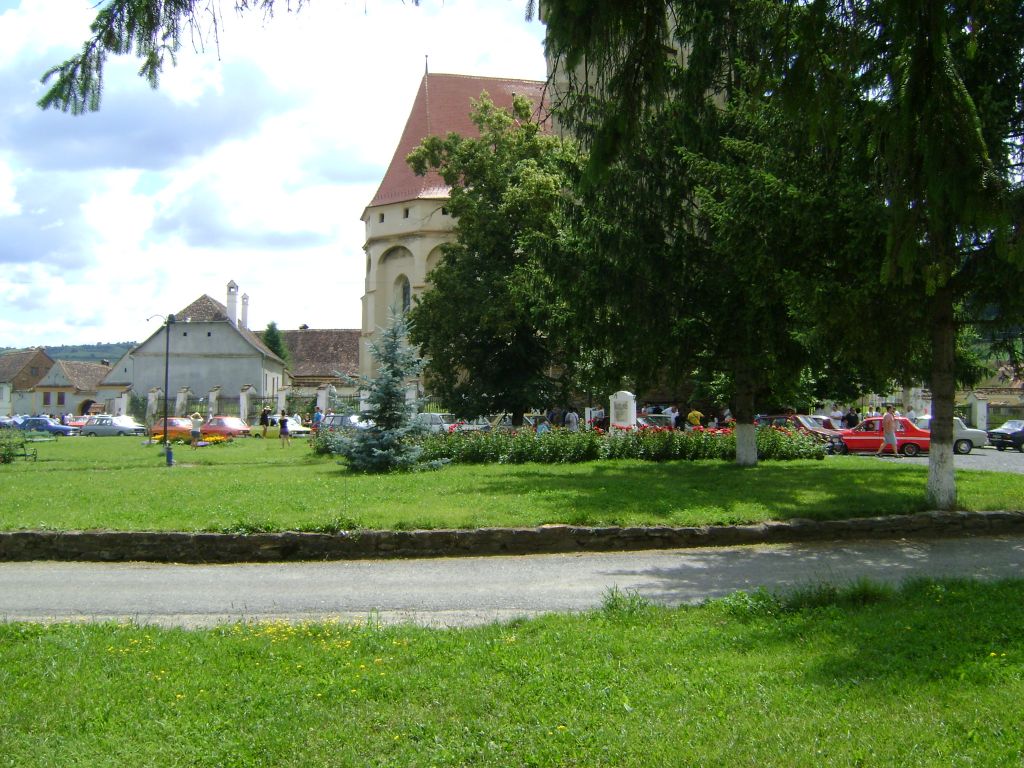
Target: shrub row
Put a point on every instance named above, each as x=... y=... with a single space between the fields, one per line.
x=562 y=447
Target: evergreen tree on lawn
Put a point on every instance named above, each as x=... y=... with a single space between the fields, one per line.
x=383 y=445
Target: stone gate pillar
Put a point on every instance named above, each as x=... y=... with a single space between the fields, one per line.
x=181 y=401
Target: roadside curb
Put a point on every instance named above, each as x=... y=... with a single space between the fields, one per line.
x=290 y=546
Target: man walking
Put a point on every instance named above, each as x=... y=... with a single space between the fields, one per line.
x=888 y=433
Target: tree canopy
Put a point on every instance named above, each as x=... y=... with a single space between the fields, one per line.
x=486 y=325
x=928 y=92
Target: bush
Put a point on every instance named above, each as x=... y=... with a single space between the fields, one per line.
x=560 y=446
x=10 y=442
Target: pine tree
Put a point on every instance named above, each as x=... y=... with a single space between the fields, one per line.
x=275 y=341
x=383 y=445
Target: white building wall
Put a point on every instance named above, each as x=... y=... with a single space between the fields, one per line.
x=402 y=241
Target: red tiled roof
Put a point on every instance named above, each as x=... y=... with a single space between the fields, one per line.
x=441 y=107
x=84 y=377
x=321 y=354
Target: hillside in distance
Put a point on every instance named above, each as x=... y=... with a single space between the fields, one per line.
x=90 y=353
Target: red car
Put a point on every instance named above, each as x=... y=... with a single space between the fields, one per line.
x=225 y=426
x=867 y=436
x=177 y=429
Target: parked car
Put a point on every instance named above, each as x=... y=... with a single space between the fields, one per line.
x=107 y=425
x=808 y=425
x=965 y=438
x=334 y=422
x=6 y=422
x=826 y=422
x=434 y=422
x=1010 y=435
x=867 y=436
x=78 y=421
x=46 y=424
x=224 y=426
x=177 y=428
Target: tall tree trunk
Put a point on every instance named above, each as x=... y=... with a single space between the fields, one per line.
x=743 y=411
x=941 y=492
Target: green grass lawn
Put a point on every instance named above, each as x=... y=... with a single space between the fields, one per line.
x=119 y=483
x=931 y=675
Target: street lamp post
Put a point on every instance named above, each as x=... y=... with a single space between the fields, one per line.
x=168 y=322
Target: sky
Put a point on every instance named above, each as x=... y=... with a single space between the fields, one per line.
x=252 y=162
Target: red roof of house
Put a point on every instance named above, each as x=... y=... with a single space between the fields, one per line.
x=441 y=107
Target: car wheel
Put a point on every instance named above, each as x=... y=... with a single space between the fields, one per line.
x=911 y=450
x=1000 y=447
x=962 y=447
x=120 y=434
x=1020 y=447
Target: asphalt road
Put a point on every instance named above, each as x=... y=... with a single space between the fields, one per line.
x=466 y=591
x=980 y=458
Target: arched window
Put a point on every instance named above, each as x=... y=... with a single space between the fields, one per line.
x=403 y=294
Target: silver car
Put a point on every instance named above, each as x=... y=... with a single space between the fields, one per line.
x=105 y=425
x=965 y=439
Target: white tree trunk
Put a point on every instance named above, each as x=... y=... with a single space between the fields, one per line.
x=941 y=476
x=746 y=445
x=941 y=491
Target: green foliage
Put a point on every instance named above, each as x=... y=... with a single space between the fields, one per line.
x=500 y=352
x=258 y=482
x=11 y=443
x=925 y=678
x=384 y=445
x=275 y=341
x=560 y=446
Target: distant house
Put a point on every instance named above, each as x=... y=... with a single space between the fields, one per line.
x=72 y=387
x=322 y=357
x=20 y=371
x=210 y=348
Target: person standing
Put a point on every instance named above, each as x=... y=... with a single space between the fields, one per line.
x=318 y=416
x=285 y=435
x=197 y=426
x=693 y=418
x=836 y=417
x=572 y=420
x=888 y=433
x=265 y=420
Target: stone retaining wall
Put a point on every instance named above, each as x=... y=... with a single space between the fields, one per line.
x=164 y=547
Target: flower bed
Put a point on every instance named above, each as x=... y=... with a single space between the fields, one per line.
x=559 y=446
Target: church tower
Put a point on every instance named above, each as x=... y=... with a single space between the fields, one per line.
x=407 y=221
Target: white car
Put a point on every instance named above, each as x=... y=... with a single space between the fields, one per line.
x=965 y=439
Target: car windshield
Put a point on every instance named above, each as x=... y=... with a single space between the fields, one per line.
x=807 y=422
x=1015 y=424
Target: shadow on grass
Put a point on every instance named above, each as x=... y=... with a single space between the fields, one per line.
x=699 y=493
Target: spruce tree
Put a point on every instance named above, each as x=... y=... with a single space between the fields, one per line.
x=275 y=341
x=383 y=445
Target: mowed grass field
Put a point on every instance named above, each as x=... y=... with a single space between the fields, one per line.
x=256 y=485
x=931 y=675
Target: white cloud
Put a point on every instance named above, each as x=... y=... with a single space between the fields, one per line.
x=9 y=205
x=252 y=163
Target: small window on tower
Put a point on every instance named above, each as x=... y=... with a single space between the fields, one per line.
x=405 y=213
x=444 y=211
x=184 y=333
x=209 y=334
x=380 y=218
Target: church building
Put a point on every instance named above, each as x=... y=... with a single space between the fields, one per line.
x=407 y=221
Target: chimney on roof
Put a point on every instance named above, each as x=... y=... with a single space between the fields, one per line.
x=232 y=302
x=245 y=310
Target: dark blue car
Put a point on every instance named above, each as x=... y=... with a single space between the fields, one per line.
x=46 y=424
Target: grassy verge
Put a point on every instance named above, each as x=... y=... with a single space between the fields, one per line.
x=248 y=485
x=930 y=675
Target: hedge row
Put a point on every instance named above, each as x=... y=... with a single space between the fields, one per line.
x=562 y=447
